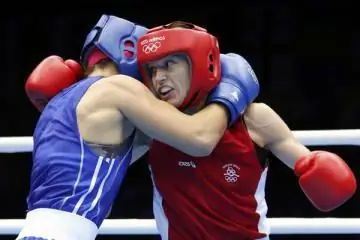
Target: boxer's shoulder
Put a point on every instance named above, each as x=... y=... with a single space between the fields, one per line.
x=111 y=94
x=125 y=84
x=107 y=90
x=116 y=87
x=262 y=123
x=257 y=114
x=98 y=115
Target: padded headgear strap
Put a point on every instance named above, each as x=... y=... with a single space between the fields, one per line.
x=201 y=47
x=116 y=38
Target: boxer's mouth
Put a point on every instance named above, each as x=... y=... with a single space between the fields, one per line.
x=164 y=91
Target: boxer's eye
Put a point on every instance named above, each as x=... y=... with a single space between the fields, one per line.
x=170 y=63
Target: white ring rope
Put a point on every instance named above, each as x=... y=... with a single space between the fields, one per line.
x=309 y=138
x=278 y=225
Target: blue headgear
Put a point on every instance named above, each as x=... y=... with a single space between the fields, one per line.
x=114 y=36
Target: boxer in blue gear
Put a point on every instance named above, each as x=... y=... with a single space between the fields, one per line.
x=73 y=179
x=85 y=137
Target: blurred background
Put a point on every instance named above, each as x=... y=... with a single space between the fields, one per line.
x=305 y=56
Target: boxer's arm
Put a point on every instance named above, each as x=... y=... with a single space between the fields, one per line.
x=196 y=135
x=324 y=177
x=271 y=132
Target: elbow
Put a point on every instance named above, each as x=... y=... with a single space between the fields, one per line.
x=202 y=146
x=204 y=142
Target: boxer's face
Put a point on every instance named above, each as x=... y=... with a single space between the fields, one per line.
x=171 y=78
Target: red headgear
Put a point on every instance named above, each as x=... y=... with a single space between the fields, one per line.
x=201 y=47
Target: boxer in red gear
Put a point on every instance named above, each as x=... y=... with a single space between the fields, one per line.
x=49 y=78
x=222 y=195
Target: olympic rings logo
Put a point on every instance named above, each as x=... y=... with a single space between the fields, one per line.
x=151 y=47
x=231 y=175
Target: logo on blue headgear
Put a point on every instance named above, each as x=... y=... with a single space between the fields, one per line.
x=115 y=37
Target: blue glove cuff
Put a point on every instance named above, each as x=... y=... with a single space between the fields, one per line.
x=231 y=96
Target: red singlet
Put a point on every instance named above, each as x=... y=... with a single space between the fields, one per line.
x=210 y=198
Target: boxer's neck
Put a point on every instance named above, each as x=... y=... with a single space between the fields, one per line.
x=194 y=109
x=105 y=71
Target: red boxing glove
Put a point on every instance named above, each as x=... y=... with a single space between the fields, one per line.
x=326 y=179
x=49 y=78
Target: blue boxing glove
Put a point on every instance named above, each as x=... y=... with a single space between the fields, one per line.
x=238 y=86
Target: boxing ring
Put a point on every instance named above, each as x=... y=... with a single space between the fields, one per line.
x=278 y=225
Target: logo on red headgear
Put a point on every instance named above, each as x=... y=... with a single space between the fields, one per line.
x=151 y=47
x=153 y=39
